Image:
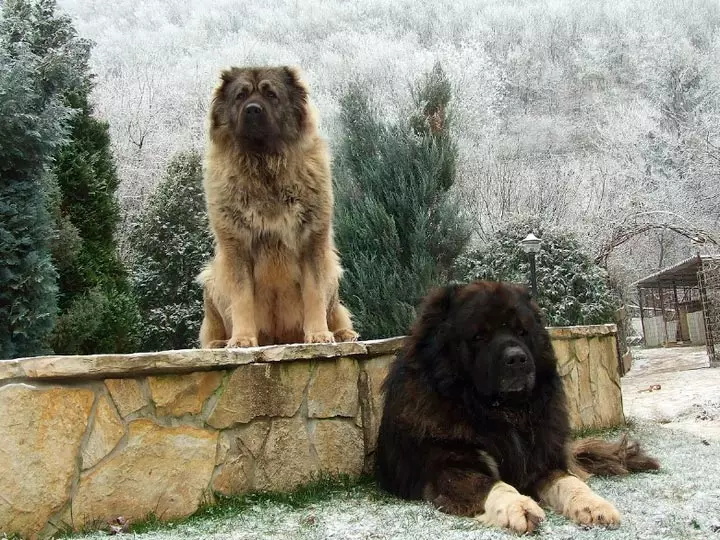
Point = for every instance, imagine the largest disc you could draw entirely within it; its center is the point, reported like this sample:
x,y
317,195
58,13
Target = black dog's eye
x,y
478,337
522,332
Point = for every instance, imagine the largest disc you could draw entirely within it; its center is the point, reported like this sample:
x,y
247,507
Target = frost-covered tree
x,y
569,111
33,115
171,243
398,228
572,290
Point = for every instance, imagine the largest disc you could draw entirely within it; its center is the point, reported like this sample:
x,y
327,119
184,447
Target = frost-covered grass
x,y
688,396
680,501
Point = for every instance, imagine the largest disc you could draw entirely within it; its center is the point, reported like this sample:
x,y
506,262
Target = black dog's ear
x,y
298,94
435,310
527,297
522,290
226,76
217,104
432,342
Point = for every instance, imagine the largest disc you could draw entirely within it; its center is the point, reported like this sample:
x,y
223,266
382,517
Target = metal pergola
x,y
690,285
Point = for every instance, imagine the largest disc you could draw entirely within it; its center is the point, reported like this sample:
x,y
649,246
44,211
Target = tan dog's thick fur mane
x,y
275,274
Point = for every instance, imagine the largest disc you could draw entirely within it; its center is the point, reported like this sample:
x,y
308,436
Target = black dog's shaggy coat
x,y
475,400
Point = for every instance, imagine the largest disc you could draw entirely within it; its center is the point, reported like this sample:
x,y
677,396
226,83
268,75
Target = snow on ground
x,y
681,501
689,394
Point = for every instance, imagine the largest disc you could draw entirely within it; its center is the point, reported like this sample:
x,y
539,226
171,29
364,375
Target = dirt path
x,y
689,394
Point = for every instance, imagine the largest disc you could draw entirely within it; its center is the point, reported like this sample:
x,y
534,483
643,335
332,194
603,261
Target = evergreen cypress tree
x,y
32,120
87,181
398,227
97,311
171,243
572,290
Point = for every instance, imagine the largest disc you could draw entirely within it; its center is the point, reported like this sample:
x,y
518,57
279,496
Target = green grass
x,y
322,488
605,433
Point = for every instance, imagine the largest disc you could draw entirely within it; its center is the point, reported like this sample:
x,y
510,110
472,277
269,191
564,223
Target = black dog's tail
x,y
594,456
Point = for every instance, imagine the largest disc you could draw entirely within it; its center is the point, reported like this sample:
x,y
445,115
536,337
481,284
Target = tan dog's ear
x,y
298,93
227,76
294,80
217,106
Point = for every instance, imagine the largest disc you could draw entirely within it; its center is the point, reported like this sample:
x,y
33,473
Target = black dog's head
x,y
484,338
262,109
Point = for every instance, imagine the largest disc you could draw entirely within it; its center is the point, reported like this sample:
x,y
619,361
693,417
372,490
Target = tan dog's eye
x,y
242,94
270,94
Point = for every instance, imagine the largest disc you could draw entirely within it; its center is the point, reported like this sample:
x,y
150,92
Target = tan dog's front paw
x,y
591,509
507,508
345,334
319,337
241,341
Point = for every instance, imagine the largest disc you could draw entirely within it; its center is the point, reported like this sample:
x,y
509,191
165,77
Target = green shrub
x,y
99,321
398,228
171,243
572,290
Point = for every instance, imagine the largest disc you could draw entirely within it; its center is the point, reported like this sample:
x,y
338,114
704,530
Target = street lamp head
x,y
531,244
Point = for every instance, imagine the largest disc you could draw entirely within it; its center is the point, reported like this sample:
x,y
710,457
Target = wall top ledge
x,y
572,332
107,366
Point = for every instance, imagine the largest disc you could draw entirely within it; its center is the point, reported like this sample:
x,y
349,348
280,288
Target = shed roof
x,y
682,274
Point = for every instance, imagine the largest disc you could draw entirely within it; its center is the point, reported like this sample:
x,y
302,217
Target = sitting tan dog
x,y
275,274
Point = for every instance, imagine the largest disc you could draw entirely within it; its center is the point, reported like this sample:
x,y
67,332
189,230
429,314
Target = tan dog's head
x,y
263,110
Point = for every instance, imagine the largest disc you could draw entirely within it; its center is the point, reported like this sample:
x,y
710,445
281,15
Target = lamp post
x,y
531,245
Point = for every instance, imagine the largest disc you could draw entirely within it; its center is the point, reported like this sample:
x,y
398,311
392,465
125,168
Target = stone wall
x,y
85,439
589,367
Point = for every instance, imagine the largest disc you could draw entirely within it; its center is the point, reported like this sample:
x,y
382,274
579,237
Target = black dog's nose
x,y
515,356
253,108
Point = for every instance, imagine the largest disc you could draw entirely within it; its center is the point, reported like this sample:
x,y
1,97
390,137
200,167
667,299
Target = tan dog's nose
x,y
253,109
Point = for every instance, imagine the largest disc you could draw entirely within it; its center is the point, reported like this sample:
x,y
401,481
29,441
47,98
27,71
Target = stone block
x,y
238,449
127,395
163,471
333,389
339,446
107,430
267,390
286,460
41,429
176,395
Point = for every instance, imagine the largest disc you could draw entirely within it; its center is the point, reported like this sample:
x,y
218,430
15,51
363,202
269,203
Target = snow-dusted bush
x,y
572,290
170,244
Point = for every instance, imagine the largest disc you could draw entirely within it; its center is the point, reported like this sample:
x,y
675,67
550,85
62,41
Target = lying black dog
x,y
475,416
